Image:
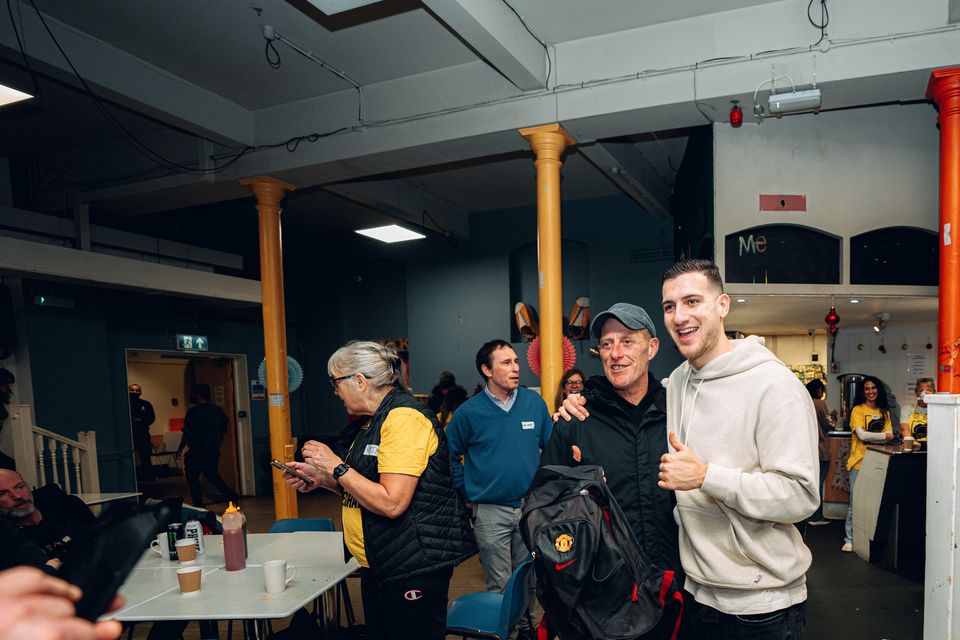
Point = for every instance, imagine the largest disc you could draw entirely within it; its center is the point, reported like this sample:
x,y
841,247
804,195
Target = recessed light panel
x,y
391,233
331,7
9,95
854,300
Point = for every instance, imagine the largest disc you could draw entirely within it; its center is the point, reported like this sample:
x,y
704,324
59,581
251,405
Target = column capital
x,y
267,190
548,137
944,88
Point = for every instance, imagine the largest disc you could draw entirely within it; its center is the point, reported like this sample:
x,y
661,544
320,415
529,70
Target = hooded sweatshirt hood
x,y
749,418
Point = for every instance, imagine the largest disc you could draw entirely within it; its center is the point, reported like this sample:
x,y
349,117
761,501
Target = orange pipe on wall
x,y
548,143
944,90
269,192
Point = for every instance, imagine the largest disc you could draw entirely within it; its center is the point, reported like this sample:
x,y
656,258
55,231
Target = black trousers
x,y
196,463
410,609
144,448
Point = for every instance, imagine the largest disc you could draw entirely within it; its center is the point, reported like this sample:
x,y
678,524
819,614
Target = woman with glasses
x,y
571,382
402,518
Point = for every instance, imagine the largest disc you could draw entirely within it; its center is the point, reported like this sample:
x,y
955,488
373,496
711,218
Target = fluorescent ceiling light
x,y
741,299
854,300
794,101
9,95
331,7
390,233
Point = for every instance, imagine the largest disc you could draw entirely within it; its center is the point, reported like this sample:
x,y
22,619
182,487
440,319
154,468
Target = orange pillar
x,y
944,90
548,143
269,192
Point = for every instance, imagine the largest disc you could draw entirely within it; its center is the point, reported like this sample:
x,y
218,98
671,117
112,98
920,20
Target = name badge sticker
x,y
371,450
528,425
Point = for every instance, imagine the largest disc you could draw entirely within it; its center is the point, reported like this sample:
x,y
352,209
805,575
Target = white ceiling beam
x,y
850,74
497,34
626,167
119,77
408,202
49,262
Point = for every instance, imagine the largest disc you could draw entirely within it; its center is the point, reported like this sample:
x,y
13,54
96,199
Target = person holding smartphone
x,y
402,519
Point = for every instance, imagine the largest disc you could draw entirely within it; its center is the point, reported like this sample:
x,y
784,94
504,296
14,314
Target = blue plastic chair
x,y
289,525
491,615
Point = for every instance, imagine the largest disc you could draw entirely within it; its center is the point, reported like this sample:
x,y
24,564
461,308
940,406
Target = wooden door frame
x,y
241,403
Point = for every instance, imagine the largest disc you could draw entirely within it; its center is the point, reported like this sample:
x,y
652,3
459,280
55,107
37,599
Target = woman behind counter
x,y
402,518
869,423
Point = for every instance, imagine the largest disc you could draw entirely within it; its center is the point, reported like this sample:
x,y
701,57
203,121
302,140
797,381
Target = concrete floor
x,y
849,599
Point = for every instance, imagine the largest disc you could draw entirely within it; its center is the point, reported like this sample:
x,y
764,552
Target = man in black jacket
x,y
625,434
203,429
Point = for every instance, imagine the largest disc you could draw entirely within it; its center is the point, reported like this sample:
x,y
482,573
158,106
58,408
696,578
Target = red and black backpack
x,y
593,579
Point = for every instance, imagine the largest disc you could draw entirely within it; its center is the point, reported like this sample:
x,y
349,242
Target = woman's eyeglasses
x,y
334,382
573,383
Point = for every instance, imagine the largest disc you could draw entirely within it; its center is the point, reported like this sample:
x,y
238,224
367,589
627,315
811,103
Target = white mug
x,y
161,545
275,578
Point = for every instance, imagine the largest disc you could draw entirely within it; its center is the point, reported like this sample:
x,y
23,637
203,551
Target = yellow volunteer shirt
x,y
860,417
407,440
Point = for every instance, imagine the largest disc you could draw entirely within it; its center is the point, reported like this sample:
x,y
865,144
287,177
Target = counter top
x,y
893,450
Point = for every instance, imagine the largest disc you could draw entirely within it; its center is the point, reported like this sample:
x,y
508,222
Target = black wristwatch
x,y
339,470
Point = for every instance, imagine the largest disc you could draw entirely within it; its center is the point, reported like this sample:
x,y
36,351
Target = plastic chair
x,y
491,615
291,525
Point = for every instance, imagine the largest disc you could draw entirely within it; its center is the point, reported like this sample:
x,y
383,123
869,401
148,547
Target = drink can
x,y
194,530
174,533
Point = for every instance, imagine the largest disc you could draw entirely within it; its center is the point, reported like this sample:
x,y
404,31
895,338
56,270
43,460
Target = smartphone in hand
x,y
291,471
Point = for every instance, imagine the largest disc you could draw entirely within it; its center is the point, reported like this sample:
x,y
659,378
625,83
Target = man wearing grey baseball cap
x,y
625,434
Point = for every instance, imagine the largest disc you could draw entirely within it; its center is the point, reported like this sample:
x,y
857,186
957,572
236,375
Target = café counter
x,y
889,500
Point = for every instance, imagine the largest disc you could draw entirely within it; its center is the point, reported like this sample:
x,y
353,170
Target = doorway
x,y
166,378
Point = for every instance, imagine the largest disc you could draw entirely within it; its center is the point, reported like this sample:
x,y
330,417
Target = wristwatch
x,y
339,470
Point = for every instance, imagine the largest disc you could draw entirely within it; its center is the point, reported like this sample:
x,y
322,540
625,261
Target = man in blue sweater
x,y
499,434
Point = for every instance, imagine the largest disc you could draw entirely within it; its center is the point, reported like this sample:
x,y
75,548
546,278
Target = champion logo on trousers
x,y
413,594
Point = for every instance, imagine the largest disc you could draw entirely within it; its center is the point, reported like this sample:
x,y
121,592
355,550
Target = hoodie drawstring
x,y
683,396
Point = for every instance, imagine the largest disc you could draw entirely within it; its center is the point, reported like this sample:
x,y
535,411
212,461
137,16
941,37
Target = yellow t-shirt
x,y
407,440
860,418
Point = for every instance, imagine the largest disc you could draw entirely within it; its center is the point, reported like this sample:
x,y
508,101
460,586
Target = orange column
x,y
944,90
269,192
548,143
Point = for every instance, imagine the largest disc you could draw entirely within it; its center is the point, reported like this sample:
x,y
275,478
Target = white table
x,y
153,594
91,499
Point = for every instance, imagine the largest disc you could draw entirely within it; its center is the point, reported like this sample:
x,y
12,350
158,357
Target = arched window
x,y
782,253
895,255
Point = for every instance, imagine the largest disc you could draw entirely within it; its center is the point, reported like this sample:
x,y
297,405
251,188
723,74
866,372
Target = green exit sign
x,y
192,343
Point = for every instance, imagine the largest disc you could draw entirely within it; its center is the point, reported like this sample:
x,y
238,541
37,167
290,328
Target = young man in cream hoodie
x,y
743,463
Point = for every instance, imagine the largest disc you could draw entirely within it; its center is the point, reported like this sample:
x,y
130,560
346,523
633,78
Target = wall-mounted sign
x,y
257,391
192,343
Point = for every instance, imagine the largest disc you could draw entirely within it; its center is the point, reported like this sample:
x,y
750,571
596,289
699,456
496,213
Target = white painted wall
x,y
861,169
890,367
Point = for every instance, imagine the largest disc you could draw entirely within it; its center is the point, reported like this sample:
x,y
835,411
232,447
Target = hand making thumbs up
x,y
681,470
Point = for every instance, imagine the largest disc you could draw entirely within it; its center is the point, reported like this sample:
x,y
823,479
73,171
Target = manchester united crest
x,y
563,543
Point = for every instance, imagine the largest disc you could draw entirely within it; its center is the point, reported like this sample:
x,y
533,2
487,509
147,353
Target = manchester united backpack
x,y
593,579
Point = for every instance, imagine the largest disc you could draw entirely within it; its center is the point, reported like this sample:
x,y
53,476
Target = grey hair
x,y
378,363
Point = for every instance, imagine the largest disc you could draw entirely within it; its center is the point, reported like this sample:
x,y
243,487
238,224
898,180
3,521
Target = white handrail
x,y
35,453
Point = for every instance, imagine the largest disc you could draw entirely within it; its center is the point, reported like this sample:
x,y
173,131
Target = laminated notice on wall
x,y
918,366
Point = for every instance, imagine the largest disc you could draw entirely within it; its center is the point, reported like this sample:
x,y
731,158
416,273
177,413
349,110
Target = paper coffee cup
x,y
908,444
187,550
189,579
275,578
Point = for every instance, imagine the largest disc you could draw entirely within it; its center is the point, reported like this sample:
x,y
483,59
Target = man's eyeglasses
x,y
334,382
574,383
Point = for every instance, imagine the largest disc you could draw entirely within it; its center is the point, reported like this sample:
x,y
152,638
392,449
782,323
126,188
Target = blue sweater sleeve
x,y
456,440
547,429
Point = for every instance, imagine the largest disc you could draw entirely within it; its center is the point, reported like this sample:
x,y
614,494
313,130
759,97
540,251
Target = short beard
x,y
18,514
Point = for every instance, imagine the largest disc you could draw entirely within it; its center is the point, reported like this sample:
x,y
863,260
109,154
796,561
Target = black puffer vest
x,y
434,531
